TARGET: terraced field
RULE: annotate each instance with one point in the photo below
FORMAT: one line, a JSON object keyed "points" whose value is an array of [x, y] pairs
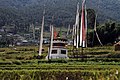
{"points": [[20, 63]]}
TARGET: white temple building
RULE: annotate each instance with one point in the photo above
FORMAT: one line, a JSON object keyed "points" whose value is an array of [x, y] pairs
{"points": [[59, 49]]}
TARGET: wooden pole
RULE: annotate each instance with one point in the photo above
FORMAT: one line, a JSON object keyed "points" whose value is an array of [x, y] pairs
{"points": [[82, 51], [51, 42], [41, 36]]}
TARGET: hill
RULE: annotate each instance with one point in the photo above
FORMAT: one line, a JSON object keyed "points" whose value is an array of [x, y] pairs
{"points": [[25, 12]]}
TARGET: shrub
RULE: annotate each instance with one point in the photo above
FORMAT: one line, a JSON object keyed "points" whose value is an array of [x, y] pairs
{"points": [[55, 75], [17, 62], [25, 49], [2, 50], [20, 57], [6, 63], [114, 55], [12, 52], [8, 57]]}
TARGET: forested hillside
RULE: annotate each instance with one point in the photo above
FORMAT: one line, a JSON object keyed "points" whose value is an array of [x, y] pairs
{"points": [[25, 12], [18, 15]]}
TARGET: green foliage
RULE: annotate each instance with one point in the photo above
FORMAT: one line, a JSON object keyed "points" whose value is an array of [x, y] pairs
{"points": [[17, 62], [12, 52], [108, 34], [23, 13], [115, 55], [102, 65], [58, 61], [5, 63], [56, 75], [25, 49], [91, 18]]}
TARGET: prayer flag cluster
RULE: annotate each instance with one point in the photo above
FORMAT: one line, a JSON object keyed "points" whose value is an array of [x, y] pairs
{"points": [[80, 31]]}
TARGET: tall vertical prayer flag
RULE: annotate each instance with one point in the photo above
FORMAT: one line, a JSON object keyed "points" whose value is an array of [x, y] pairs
{"points": [[83, 29], [55, 33], [77, 26], [41, 36]]}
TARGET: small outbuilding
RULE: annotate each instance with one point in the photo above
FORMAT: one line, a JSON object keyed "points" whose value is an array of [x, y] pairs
{"points": [[117, 46]]}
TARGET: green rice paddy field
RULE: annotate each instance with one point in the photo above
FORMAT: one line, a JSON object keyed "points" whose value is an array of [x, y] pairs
{"points": [[20, 63]]}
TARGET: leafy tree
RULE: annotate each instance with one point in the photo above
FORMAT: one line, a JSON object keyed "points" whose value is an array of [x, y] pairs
{"points": [[108, 32]]}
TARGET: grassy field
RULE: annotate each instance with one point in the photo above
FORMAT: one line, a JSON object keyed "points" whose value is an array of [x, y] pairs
{"points": [[20, 63]]}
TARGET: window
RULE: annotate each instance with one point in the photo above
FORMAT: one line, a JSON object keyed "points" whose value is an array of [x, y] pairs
{"points": [[58, 44], [63, 51], [54, 51]]}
